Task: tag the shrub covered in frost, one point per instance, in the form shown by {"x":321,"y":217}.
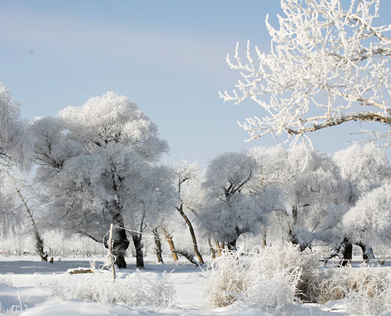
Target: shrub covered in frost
{"x":365,"y":290}
{"x":266,"y":278}
{"x":227,"y":281}
{"x":133,"y":290}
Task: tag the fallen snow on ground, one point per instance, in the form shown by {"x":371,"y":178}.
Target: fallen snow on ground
{"x":31,"y":287}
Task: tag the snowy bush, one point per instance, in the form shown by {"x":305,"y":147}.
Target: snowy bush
{"x":365,"y":290}
{"x":266,"y":278}
{"x":227,"y":281}
{"x":132,"y":290}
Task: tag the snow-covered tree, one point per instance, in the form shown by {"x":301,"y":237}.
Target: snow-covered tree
{"x":363,"y":168}
{"x":310,"y":181}
{"x":15,"y":143}
{"x":96,"y":163}
{"x":15,"y":151}
{"x":229,"y":211}
{"x":328,"y":64}
{"x":369,"y":221}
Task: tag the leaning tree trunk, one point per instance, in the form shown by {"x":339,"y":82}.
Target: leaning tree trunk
{"x":38,"y":239}
{"x":170,"y":243}
{"x":158,"y":246}
{"x":139,"y":250}
{"x":193,"y":237}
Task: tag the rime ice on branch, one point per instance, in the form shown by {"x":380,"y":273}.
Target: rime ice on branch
{"x":328,"y":64}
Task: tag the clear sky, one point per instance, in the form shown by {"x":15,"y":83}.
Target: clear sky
{"x":168,"y":56}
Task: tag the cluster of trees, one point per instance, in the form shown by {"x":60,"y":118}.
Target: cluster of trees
{"x":99,"y":164}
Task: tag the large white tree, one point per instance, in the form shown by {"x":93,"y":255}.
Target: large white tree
{"x":369,"y":221}
{"x":97,"y":164}
{"x":364,"y":169}
{"x":310,"y":181}
{"x":328,"y":64}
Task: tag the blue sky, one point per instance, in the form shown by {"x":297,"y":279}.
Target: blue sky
{"x":167,"y":56}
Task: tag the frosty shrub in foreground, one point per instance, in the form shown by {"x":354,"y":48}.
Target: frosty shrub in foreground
{"x":267,"y":278}
{"x":365,"y":290}
{"x":133,"y":290}
{"x":227,"y":281}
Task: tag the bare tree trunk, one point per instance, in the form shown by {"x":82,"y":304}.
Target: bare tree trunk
{"x":294,"y":221}
{"x":120,"y":240}
{"x":168,"y":238}
{"x":158,"y":244}
{"x":264,"y":237}
{"x":367,"y":252}
{"x":218,"y":248}
{"x":193,"y":237}
{"x":139,"y":250}
{"x":212,"y":249}
{"x":347,"y":252}
{"x":38,"y":239}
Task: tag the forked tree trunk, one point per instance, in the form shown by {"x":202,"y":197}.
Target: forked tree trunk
{"x":158,"y":245}
{"x":193,"y":237}
{"x":139,"y":250}
{"x":168,"y":238}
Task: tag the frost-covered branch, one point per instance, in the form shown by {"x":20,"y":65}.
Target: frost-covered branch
{"x":325,"y":57}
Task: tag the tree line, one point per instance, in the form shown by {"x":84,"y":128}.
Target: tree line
{"x":100,"y":164}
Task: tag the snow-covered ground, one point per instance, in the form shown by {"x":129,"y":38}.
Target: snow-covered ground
{"x":31,"y":287}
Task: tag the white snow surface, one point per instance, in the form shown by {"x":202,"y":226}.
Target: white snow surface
{"x":26,"y":289}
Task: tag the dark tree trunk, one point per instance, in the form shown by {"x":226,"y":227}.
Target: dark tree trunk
{"x":120,"y":240}
{"x":158,"y":246}
{"x":39,"y":247}
{"x":139,"y":250}
{"x":193,"y":237}
{"x":170,"y":243}
{"x":264,"y":235}
{"x":292,"y":236}
{"x":367,"y":252}
{"x":232,"y":245}
{"x":294,"y":215}
{"x":120,"y":244}
{"x":347,"y":252}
